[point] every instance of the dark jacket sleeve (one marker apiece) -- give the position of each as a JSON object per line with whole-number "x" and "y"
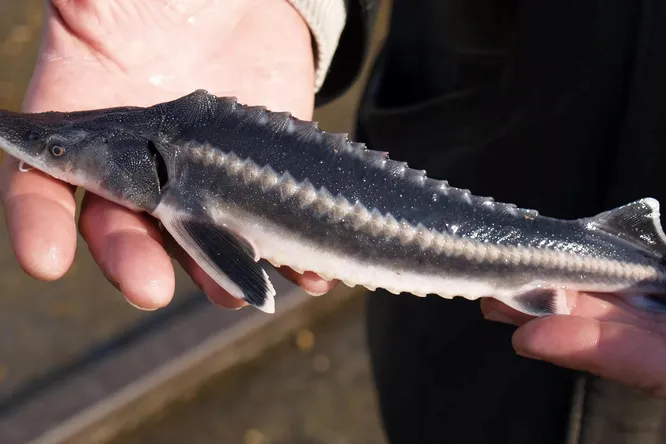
{"x": 352, "y": 49}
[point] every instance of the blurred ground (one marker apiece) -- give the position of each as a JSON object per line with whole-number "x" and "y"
{"x": 315, "y": 389}
{"x": 320, "y": 396}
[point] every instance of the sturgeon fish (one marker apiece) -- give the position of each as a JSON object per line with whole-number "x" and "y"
{"x": 234, "y": 184}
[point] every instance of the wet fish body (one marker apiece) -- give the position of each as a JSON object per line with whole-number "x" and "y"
{"x": 234, "y": 183}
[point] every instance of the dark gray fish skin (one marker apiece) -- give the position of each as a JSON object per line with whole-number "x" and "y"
{"x": 329, "y": 161}
{"x": 320, "y": 190}
{"x": 109, "y": 145}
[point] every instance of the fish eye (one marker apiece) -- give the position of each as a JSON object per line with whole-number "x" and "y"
{"x": 57, "y": 150}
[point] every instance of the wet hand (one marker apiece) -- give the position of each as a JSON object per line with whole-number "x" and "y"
{"x": 603, "y": 335}
{"x": 137, "y": 52}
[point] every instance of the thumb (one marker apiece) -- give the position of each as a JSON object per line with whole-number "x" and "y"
{"x": 624, "y": 353}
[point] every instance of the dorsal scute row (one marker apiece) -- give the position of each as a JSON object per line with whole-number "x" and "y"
{"x": 339, "y": 144}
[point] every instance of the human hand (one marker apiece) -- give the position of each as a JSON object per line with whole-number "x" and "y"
{"x": 97, "y": 54}
{"x": 603, "y": 336}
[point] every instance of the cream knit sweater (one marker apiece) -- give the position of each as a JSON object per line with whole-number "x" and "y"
{"x": 326, "y": 20}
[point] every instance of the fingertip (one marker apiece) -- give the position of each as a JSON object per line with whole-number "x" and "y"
{"x": 310, "y": 282}
{"x": 43, "y": 235}
{"x": 489, "y": 305}
{"x": 219, "y": 296}
{"x": 39, "y": 213}
{"x": 140, "y": 268}
{"x": 495, "y": 310}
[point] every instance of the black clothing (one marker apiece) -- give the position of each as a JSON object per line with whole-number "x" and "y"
{"x": 558, "y": 106}
{"x": 352, "y": 49}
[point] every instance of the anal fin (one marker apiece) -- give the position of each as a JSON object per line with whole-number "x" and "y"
{"x": 228, "y": 259}
{"x": 538, "y": 301}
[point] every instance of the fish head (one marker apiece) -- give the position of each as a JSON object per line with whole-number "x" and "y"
{"x": 107, "y": 152}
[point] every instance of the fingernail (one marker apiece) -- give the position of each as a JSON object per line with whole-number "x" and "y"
{"x": 137, "y": 307}
{"x": 233, "y": 307}
{"x": 527, "y": 355}
{"x": 497, "y": 316}
{"x": 315, "y": 293}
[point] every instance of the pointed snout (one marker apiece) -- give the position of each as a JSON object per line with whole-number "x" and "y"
{"x": 19, "y": 135}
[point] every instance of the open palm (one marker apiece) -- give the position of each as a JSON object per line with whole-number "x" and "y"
{"x": 136, "y": 52}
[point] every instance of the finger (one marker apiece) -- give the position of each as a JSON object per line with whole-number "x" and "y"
{"x": 494, "y": 310}
{"x": 621, "y": 352}
{"x": 40, "y": 216}
{"x": 310, "y": 282}
{"x": 127, "y": 247}
{"x": 599, "y": 306}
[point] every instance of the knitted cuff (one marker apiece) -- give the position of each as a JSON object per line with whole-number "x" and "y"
{"x": 326, "y": 20}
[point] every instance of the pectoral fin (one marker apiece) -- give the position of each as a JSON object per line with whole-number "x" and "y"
{"x": 226, "y": 258}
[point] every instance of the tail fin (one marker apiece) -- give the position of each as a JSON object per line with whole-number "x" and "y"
{"x": 637, "y": 223}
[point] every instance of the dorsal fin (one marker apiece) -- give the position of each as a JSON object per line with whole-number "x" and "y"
{"x": 637, "y": 223}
